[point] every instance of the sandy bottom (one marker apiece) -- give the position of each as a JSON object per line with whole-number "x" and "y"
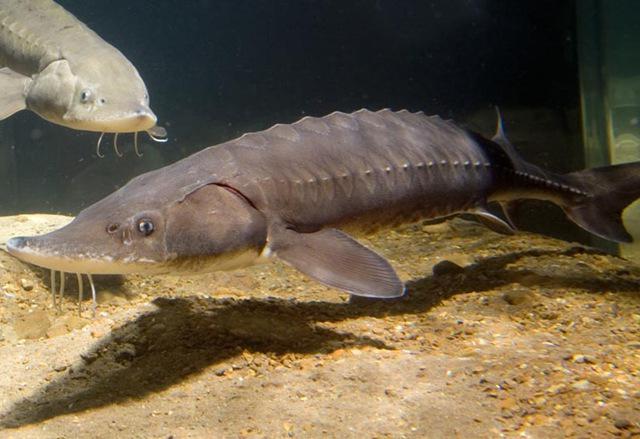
{"x": 515, "y": 336}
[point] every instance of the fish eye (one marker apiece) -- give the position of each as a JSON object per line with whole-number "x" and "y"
{"x": 85, "y": 96}
{"x": 146, "y": 227}
{"x": 103, "y": 101}
{"x": 113, "y": 227}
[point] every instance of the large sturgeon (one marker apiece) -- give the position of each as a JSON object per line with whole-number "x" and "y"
{"x": 55, "y": 66}
{"x": 288, "y": 190}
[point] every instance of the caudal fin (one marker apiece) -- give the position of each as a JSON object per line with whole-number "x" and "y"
{"x": 610, "y": 190}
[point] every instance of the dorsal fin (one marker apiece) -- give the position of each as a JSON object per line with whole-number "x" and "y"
{"x": 501, "y": 138}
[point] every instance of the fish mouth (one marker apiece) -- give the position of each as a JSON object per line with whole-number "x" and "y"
{"x": 26, "y": 249}
{"x": 140, "y": 119}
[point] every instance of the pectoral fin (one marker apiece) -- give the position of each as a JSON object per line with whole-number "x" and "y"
{"x": 337, "y": 260}
{"x": 12, "y": 92}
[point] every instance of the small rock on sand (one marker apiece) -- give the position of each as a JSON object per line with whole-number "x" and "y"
{"x": 582, "y": 385}
{"x": 622, "y": 424}
{"x": 26, "y": 284}
{"x": 516, "y": 297}
{"x": 446, "y": 267}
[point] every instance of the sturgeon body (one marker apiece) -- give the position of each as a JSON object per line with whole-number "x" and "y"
{"x": 293, "y": 191}
{"x": 53, "y": 64}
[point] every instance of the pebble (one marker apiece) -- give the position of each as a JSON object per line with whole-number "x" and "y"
{"x": 622, "y": 424}
{"x": 89, "y": 357}
{"x": 437, "y": 228}
{"x": 126, "y": 353}
{"x": 445, "y": 267}
{"x": 584, "y": 359}
{"x": 99, "y": 332}
{"x": 59, "y": 367}
{"x": 26, "y": 284}
{"x": 515, "y": 297}
{"x": 582, "y": 385}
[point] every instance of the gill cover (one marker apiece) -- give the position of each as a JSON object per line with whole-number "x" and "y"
{"x": 51, "y": 92}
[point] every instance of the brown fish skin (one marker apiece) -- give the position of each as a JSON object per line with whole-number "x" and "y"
{"x": 287, "y": 190}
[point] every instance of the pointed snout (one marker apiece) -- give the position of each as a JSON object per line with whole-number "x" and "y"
{"x": 15, "y": 244}
{"x": 140, "y": 119}
{"x": 146, "y": 116}
{"x": 46, "y": 252}
{"x": 21, "y": 247}
{"x": 55, "y": 251}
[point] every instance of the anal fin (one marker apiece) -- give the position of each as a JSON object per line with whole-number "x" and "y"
{"x": 493, "y": 222}
{"x": 337, "y": 260}
{"x": 509, "y": 209}
{"x": 12, "y": 92}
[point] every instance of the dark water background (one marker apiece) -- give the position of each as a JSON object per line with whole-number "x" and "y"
{"x": 216, "y": 69}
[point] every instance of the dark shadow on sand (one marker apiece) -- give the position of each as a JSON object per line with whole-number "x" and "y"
{"x": 185, "y": 336}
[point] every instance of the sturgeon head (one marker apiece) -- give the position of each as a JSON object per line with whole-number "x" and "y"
{"x": 143, "y": 229}
{"x": 102, "y": 93}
